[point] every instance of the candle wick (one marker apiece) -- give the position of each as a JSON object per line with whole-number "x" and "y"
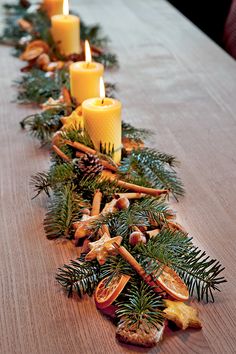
{"x": 102, "y": 100}
{"x": 88, "y": 64}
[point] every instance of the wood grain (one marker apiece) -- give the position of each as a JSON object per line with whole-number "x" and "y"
{"x": 173, "y": 79}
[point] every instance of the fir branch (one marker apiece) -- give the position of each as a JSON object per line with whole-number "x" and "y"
{"x": 43, "y": 124}
{"x": 109, "y": 60}
{"x": 148, "y": 167}
{"x": 143, "y": 213}
{"x": 116, "y": 265}
{"x": 199, "y": 272}
{"x": 58, "y": 175}
{"x": 110, "y": 89}
{"x": 93, "y": 33}
{"x": 36, "y": 87}
{"x": 77, "y": 136}
{"x": 140, "y": 307}
{"x": 63, "y": 210}
{"x": 79, "y": 276}
{"x": 138, "y": 134}
{"x": 87, "y": 187}
{"x": 57, "y": 160}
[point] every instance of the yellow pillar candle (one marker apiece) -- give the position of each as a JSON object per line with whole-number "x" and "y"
{"x": 84, "y": 77}
{"x": 102, "y": 121}
{"x": 53, "y": 7}
{"x": 66, "y": 31}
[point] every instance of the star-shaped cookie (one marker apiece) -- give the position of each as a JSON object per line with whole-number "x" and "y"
{"x": 101, "y": 248}
{"x": 74, "y": 121}
{"x": 182, "y": 315}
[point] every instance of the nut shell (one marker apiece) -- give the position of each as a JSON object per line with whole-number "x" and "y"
{"x": 122, "y": 203}
{"x": 137, "y": 237}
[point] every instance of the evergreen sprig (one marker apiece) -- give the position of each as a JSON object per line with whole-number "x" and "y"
{"x": 138, "y": 134}
{"x": 143, "y": 213}
{"x": 140, "y": 307}
{"x": 58, "y": 174}
{"x": 151, "y": 168}
{"x": 63, "y": 210}
{"x": 43, "y": 124}
{"x": 173, "y": 248}
{"x": 79, "y": 276}
{"x": 41, "y": 30}
{"x": 37, "y": 87}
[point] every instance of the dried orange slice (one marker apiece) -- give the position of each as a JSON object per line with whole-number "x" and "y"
{"x": 38, "y": 43}
{"x": 30, "y": 54}
{"x": 107, "y": 291}
{"x": 169, "y": 281}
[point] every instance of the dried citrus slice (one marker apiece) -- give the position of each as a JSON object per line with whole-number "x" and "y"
{"x": 38, "y": 43}
{"x": 108, "y": 290}
{"x": 30, "y": 54}
{"x": 169, "y": 281}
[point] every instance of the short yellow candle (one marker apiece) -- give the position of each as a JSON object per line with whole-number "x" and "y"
{"x": 53, "y": 7}
{"x": 66, "y": 31}
{"x": 102, "y": 121}
{"x": 84, "y": 77}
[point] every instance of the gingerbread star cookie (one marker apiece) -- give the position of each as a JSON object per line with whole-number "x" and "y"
{"x": 101, "y": 248}
{"x": 74, "y": 121}
{"x": 182, "y": 315}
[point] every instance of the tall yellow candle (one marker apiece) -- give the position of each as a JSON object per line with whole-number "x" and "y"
{"x": 53, "y": 7}
{"x": 102, "y": 121}
{"x": 66, "y": 31}
{"x": 84, "y": 77}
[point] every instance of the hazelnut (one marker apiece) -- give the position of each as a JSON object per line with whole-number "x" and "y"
{"x": 85, "y": 211}
{"x": 137, "y": 237}
{"x": 122, "y": 203}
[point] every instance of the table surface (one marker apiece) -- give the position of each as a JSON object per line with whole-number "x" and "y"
{"x": 177, "y": 82}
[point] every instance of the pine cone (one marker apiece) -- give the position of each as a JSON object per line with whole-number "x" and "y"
{"x": 89, "y": 165}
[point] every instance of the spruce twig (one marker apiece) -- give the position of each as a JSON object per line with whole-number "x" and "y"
{"x": 63, "y": 210}
{"x": 79, "y": 276}
{"x": 140, "y": 307}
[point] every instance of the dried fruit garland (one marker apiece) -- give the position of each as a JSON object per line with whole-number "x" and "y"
{"x": 139, "y": 263}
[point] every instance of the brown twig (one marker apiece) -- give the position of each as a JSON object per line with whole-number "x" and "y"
{"x": 88, "y": 150}
{"x": 96, "y": 203}
{"x": 60, "y": 153}
{"x": 66, "y": 96}
{"x": 130, "y": 195}
{"x": 134, "y": 187}
{"x": 135, "y": 265}
{"x": 105, "y": 229}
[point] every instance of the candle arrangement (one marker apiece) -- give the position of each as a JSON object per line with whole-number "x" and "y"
{"x": 66, "y": 31}
{"x": 84, "y": 77}
{"x": 102, "y": 119}
{"x": 110, "y": 195}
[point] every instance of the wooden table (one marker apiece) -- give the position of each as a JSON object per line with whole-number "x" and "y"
{"x": 174, "y": 80}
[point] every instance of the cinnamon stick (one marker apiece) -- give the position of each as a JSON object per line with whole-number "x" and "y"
{"x": 60, "y": 153}
{"x": 131, "y": 195}
{"x": 81, "y": 147}
{"x": 88, "y": 150}
{"x": 136, "y": 266}
{"x": 134, "y": 187}
{"x": 96, "y": 203}
{"x": 105, "y": 229}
